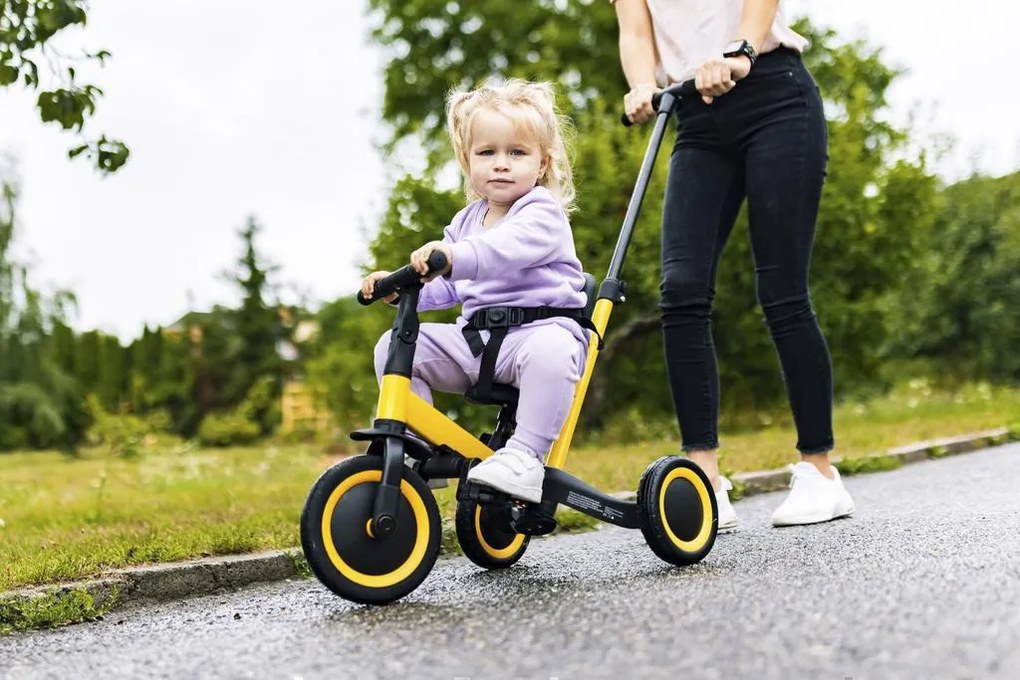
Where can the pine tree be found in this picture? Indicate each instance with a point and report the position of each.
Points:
(257, 330)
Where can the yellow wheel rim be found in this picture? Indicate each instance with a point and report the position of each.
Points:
(698, 542)
(498, 553)
(421, 518)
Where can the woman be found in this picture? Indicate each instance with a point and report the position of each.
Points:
(757, 131)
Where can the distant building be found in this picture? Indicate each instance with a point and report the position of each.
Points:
(190, 324)
(300, 411)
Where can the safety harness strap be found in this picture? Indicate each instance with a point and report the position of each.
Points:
(498, 321)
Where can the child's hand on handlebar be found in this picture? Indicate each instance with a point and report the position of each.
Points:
(368, 286)
(420, 258)
(637, 103)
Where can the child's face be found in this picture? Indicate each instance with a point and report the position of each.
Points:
(504, 164)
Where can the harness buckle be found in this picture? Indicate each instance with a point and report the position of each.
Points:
(499, 317)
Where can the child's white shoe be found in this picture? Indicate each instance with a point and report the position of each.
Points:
(513, 472)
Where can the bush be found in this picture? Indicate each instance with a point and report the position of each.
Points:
(261, 405)
(29, 416)
(227, 429)
(121, 433)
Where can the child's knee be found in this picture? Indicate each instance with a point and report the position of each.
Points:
(554, 353)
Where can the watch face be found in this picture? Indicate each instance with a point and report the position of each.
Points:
(735, 46)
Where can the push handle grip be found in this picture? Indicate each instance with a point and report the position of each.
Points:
(678, 91)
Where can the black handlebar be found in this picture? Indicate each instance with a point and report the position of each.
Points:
(402, 278)
(677, 91)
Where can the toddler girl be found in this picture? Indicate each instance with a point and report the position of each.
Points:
(510, 254)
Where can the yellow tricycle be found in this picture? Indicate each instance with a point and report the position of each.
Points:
(370, 527)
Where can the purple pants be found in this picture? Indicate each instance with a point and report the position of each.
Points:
(544, 360)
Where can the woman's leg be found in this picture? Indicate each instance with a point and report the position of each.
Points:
(785, 165)
(703, 196)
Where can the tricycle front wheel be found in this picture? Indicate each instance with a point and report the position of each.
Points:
(337, 537)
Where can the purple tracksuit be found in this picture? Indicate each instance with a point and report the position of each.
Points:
(527, 259)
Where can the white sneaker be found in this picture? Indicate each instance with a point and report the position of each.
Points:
(728, 521)
(513, 472)
(813, 498)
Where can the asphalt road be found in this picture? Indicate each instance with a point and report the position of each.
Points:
(923, 582)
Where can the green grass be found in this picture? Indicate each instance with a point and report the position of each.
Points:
(914, 412)
(67, 518)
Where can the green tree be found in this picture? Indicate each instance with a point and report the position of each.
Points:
(88, 358)
(40, 404)
(438, 45)
(257, 331)
(340, 366)
(27, 29)
(963, 317)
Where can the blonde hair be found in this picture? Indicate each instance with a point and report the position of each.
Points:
(532, 108)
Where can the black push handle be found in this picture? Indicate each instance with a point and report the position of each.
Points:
(677, 91)
(403, 277)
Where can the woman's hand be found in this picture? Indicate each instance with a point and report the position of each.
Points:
(718, 76)
(420, 259)
(368, 286)
(637, 103)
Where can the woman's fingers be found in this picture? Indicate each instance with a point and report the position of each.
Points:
(713, 79)
(637, 103)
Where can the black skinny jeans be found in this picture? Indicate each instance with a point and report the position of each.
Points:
(766, 140)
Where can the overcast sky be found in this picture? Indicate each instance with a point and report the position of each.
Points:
(231, 107)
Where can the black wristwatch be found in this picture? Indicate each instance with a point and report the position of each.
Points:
(741, 48)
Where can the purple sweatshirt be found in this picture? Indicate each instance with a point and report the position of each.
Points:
(527, 259)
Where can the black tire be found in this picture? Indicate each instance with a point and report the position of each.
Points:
(484, 536)
(343, 554)
(677, 510)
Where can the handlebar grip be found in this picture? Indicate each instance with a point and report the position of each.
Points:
(437, 261)
(679, 91)
(402, 278)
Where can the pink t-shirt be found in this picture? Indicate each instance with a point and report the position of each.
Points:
(689, 32)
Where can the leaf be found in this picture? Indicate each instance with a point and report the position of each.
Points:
(76, 151)
(109, 155)
(8, 75)
(66, 107)
(113, 154)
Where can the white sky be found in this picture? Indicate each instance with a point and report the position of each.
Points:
(232, 107)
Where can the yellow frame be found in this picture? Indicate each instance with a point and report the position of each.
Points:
(397, 402)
